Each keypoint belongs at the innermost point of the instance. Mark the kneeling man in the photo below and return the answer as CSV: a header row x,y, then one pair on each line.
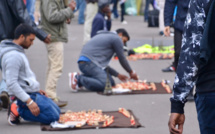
x,y
95,57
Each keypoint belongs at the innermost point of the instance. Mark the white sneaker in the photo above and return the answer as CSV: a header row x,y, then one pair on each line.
x,y
73,81
124,22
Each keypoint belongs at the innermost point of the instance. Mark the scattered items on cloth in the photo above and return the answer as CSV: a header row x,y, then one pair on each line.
x,y
122,118
140,87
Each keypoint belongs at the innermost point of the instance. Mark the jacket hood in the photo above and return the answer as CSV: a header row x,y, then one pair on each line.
x,y
8,45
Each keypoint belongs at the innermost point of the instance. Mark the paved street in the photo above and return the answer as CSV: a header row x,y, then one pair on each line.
x,y
151,110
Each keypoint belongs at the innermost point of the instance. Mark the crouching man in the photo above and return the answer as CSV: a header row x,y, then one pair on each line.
x,y
32,103
94,60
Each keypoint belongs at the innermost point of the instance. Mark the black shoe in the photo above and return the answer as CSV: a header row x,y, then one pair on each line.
x,y
169,69
5,99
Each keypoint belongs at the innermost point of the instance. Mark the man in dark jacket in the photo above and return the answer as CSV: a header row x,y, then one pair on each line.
x,y
13,13
196,68
182,7
100,22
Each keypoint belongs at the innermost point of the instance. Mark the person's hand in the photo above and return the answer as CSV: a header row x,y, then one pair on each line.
x,y
68,21
48,39
42,92
33,107
122,77
72,5
108,13
167,31
133,75
174,120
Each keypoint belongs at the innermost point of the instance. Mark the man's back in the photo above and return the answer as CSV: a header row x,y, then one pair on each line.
x,y
101,48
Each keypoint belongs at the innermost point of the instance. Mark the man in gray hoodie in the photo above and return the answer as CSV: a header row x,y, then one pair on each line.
x,y
95,57
21,81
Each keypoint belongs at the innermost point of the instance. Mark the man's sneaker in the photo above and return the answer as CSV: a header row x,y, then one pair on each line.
x,y
59,102
4,99
73,82
169,69
13,115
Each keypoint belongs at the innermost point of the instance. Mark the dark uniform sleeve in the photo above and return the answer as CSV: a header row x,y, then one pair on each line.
x,y
189,61
19,10
169,11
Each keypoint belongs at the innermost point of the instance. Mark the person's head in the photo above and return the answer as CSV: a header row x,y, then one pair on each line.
x,y
104,6
123,34
24,35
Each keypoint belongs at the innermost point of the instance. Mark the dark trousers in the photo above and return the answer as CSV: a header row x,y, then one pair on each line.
x,y
93,77
122,11
205,106
148,2
177,46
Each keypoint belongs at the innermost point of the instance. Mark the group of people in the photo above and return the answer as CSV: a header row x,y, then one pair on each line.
x,y
28,100
194,58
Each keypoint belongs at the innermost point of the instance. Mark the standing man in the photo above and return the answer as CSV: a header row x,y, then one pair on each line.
x,y
196,68
32,103
182,8
91,10
102,20
54,16
95,57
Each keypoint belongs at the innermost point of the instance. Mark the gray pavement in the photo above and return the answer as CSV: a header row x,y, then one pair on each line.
x,y
151,110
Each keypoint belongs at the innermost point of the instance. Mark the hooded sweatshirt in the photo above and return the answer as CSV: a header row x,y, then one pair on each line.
x,y
16,71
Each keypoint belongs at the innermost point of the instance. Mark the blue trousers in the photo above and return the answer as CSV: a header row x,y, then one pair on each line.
x,y
49,111
93,77
205,105
81,5
30,5
114,10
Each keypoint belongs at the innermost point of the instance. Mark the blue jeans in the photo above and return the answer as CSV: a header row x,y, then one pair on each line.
x,y
81,5
30,5
205,105
147,9
93,77
49,111
114,10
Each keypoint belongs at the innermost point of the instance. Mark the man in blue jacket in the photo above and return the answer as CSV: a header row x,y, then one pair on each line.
x,y
196,68
102,20
182,7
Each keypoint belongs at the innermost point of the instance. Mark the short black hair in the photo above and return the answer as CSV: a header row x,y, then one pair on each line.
x,y
23,29
124,32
